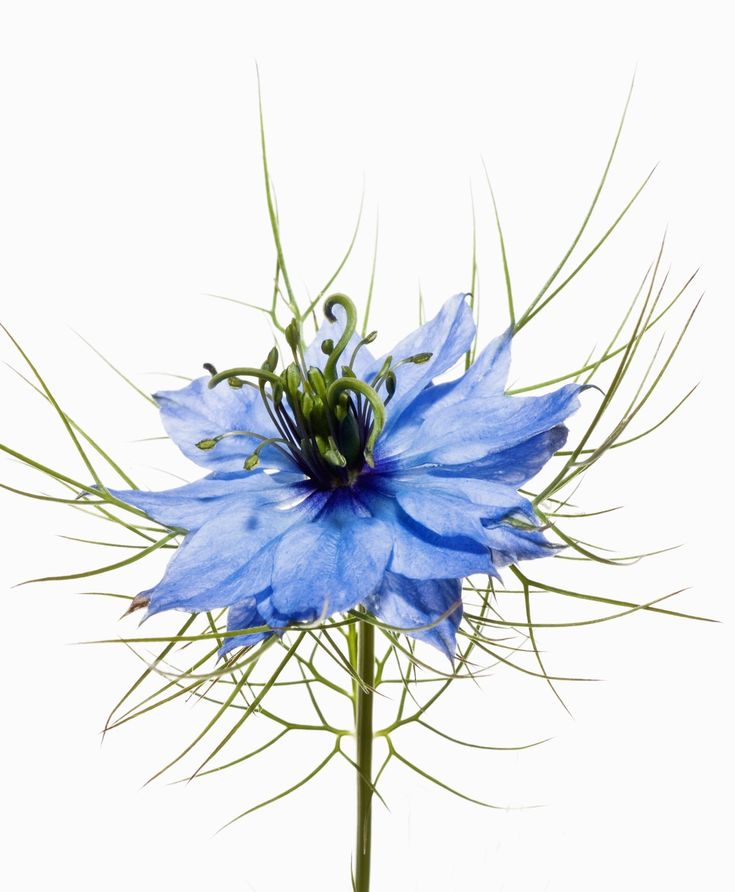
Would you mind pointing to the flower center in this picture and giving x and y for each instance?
(327, 421)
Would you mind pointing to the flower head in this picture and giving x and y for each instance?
(347, 480)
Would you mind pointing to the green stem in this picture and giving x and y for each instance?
(364, 735)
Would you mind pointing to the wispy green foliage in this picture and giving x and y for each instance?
(322, 660)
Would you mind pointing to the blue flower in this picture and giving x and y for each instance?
(365, 485)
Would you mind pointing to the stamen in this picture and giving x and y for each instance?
(383, 372)
(248, 372)
(368, 339)
(211, 442)
(253, 460)
(416, 359)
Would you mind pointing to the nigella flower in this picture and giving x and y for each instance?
(349, 481)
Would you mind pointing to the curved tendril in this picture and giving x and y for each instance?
(248, 372)
(330, 369)
(360, 387)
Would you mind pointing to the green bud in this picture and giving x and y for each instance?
(293, 334)
(252, 462)
(390, 384)
(347, 372)
(272, 361)
(235, 382)
(318, 384)
(327, 346)
(369, 338)
(207, 444)
(307, 405)
(293, 379)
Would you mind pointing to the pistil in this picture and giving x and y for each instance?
(327, 423)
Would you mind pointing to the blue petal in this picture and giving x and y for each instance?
(230, 558)
(443, 509)
(197, 412)
(511, 544)
(485, 379)
(190, 506)
(447, 336)
(518, 464)
(243, 616)
(454, 506)
(329, 564)
(314, 356)
(470, 430)
(488, 374)
(409, 603)
(421, 554)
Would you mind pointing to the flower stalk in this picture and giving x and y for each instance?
(364, 737)
(296, 503)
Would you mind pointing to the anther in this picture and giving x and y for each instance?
(419, 358)
(390, 385)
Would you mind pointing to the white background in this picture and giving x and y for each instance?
(130, 187)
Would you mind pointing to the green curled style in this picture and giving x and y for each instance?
(356, 386)
(330, 369)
